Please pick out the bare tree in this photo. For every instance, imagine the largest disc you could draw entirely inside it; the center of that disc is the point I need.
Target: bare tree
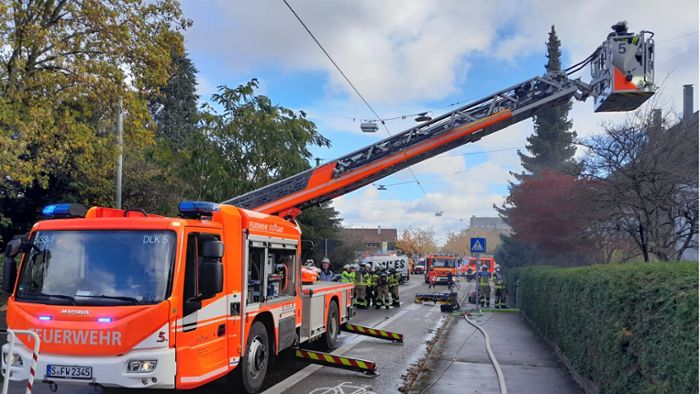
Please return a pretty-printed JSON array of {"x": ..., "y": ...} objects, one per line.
[{"x": 647, "y": 179}]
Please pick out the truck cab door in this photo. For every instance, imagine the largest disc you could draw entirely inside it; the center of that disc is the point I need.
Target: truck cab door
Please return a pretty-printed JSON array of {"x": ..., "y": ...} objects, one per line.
[{"x": 201, "y": 339}]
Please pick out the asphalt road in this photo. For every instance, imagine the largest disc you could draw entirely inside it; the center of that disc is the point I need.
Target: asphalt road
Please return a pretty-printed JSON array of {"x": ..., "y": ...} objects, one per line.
[{"x": 418, "y": 323}]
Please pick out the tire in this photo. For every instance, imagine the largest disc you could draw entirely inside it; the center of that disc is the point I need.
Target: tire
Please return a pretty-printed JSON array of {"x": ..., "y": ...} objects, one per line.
[
  {"x": 329, "y": 340},
  {"x": 253, "y": 367}
]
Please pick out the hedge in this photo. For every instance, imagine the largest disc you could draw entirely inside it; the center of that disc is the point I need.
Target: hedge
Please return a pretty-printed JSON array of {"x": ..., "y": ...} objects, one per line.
[{"x": 629, "y": 328}]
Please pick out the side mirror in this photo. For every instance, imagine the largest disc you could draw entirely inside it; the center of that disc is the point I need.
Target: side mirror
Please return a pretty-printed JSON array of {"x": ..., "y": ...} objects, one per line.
[
  {"x": 211, "y": 279},
  {"x": 213, "y": 250},
  {"x": 9, "y": 270},
  {"x": 9, "y": 275}
]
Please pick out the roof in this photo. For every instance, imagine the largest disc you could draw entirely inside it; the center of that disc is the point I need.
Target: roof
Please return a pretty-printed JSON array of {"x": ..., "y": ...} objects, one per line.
[
  {"x": 487, "y": 222},
  {"x": 371, "y": 235}
]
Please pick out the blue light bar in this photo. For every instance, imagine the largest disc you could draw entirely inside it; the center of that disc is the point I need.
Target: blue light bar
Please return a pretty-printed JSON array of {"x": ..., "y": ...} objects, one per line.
[
  {"x": 64, "y": 210},
  {"x": 197, "y": 208},
  {"x": 44, "y": 318},
  {"x": 104, "y": 319}
]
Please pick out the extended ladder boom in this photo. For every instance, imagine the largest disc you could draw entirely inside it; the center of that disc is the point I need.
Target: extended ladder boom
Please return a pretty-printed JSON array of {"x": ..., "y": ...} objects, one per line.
[{"x": 628, "y": 86}]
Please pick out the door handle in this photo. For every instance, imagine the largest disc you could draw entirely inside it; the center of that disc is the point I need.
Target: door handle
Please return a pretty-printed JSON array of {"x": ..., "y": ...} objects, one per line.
[{"x": 221, "y": 330}]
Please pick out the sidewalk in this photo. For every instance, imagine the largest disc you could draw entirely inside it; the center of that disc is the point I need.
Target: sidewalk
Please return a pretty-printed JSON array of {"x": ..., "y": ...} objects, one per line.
[{"x": 459, "y": 362}]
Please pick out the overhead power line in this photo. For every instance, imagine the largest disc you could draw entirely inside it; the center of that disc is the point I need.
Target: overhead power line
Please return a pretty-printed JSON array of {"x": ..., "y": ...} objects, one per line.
[{"x": 358, "y": 94}]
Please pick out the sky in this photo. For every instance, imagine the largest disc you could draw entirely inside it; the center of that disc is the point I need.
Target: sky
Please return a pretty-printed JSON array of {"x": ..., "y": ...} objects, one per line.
[{"x": 407, "y": 57}]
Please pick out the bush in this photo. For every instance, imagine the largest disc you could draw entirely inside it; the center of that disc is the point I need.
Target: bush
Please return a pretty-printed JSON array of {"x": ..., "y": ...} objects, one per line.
[{"x": 629, "y": 328}]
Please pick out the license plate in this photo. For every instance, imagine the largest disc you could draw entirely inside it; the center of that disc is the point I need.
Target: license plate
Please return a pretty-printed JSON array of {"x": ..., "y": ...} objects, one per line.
[{"x": 68, "y": 372}]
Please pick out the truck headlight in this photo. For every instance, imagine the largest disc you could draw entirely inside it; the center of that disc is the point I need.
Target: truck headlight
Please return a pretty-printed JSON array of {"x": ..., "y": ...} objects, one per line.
[{"x": 141, "y": 366}]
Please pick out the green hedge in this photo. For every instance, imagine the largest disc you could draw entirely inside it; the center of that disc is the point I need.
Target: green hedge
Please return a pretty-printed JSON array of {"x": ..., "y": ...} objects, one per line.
[{"x": 630, "y": 328}]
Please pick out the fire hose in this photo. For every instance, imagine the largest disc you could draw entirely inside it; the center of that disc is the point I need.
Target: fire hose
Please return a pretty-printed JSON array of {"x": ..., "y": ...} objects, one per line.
[{"x": 492, "y": 357}]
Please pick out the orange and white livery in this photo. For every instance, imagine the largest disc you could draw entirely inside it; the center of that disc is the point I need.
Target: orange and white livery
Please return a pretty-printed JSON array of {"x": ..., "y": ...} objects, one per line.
[{"x": 126, "y": 299}]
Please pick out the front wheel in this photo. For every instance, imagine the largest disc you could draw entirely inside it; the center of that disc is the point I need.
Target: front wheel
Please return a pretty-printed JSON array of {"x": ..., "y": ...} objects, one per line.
[
  {"x": 330, "y": 338},
  {"x": 253, "y": 367}
]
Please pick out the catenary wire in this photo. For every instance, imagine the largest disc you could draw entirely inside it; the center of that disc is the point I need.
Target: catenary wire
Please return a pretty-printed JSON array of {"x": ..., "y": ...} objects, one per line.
[{"x": 357, "y": 92}]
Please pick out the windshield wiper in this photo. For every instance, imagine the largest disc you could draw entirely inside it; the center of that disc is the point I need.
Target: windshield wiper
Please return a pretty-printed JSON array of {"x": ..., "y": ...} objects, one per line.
[
  {"x": 59, "y": 296},
  {"x": 120, "y": 298}
]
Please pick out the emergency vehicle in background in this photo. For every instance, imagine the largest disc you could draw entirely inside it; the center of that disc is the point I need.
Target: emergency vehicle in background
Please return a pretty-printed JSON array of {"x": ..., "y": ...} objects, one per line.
[
  {"x": 441, "y": 265},
  {"x": 130, "y": 299},
  {"x": 476, "y": 263},
  {"x": 388, "y": 262}
]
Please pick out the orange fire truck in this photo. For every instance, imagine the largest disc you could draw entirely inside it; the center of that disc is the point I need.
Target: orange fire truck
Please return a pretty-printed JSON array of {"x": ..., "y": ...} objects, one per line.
[
  {"x": 130, "y": 299},
  {"x": 441, "y": 265}
]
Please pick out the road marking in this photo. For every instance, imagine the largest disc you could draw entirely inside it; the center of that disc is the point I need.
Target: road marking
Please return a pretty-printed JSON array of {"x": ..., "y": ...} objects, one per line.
[
  {"x": 307, "y": 371},
  {"x": 413, "y": 307}
]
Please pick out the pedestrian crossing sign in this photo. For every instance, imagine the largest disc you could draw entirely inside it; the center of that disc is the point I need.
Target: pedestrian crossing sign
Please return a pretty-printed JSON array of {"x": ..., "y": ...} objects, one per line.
[{"x": 477, "y": 245}]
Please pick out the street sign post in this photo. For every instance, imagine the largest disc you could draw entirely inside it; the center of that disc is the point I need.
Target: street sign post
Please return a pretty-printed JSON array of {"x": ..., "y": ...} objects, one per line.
[{"x": 477, "y": 245}]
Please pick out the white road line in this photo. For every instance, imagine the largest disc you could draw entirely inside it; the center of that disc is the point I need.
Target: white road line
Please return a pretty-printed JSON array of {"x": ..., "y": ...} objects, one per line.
[
  {"x": 413, "y": 307},
  {"x": 304, "y": 373}
]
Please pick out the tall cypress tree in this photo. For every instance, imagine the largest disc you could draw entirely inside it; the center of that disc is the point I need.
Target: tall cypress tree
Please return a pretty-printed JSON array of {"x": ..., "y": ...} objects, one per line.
[
  {"x": 551, "y": 146},
  {"x": 174, "y": 107}
]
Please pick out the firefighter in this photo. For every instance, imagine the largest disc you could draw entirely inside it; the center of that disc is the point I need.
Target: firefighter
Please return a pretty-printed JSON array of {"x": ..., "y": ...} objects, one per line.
[
  {"x": 484, "y": 288},
  {"x": 361, "y": 279},
  {"x": 326, "y": 274},
  {"x": 382, "y": 288},
  {"x": 394, "y": 281},
  {"x": 432, "y": 278},
  {"x": 347, "y": 276},
  {"x": 374, "y": 279},
  {"x": 499, "y": 280}
]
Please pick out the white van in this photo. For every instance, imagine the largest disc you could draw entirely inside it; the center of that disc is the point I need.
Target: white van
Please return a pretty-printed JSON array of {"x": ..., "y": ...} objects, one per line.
[{"x": 399, "y": 263}]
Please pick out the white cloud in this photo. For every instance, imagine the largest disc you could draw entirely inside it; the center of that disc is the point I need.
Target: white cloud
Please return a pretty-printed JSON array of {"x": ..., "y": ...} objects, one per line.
[
  {"x": 404, "y": 54},
  {"x": 394, "y": 51}
]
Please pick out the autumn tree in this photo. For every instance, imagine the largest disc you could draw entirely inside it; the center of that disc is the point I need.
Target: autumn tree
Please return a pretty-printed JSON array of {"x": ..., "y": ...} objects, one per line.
[
  {"x": 417, "y": 242},
  {"x": 552, "y": 215},
  {"x": 63, "y": 66}
]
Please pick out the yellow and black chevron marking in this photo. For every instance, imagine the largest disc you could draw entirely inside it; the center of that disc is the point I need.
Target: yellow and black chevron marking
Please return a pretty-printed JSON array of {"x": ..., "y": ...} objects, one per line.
[
  {"x": 372, "y": 332},
  {"x": 330, "y": 360}
]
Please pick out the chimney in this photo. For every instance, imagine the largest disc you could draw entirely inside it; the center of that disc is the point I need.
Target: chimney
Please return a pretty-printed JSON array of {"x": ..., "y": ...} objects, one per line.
[
  {"x": 687, "y": 101},
  {"x": 379, "y": 229}
]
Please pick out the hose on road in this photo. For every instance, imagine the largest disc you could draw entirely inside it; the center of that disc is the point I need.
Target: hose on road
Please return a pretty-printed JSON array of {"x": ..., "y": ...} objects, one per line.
[{"x": 496, "y": 365}]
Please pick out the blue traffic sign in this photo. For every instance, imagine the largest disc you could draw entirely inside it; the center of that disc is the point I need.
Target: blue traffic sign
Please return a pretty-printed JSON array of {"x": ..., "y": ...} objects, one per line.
[{"x": 477, "y": 245}]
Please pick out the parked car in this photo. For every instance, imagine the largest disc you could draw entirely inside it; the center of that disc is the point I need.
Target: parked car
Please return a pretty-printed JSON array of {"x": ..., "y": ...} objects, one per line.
[{"x": 419, "y": 269}]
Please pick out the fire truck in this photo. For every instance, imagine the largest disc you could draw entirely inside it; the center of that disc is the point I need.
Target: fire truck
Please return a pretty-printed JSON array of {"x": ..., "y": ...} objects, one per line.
[
  {"x": 126, "y": 298},
  {"x": 441, "y": 265},
  {"x": 475, "y": 264}
]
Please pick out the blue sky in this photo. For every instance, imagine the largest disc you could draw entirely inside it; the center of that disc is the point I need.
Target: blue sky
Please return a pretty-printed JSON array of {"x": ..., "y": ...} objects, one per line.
[{"x": 414, "y": 56}]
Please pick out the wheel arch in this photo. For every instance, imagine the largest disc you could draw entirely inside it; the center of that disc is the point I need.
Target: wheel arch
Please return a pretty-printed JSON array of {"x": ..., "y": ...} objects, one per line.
[{"x": 268, "y": 321}]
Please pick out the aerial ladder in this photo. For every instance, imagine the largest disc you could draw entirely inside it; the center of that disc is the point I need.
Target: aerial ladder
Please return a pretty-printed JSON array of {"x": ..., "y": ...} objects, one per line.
[
  {"x": 260, "y": 265},
  {"x": 622, "y": 71}
]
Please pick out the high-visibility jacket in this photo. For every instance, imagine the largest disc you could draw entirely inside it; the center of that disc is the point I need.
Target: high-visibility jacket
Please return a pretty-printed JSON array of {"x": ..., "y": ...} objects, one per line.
[
  {"x": 499, "y": 281},
  {"x": 483, "y": 278},
  {"x": 347, "y": 277},
  {"x": 361, "y": 278},
  {"x": 393, "y": 281}
]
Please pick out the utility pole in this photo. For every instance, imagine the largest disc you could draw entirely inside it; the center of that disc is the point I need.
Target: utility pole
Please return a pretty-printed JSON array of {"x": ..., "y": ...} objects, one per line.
[{"x": 120, "y": 150}]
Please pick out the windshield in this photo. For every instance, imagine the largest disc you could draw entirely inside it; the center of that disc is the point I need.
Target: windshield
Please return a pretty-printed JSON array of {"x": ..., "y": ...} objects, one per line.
[
  {"x": 98, "y": 267},
  {"x": 443, "y": 263}
]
